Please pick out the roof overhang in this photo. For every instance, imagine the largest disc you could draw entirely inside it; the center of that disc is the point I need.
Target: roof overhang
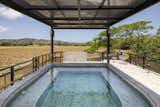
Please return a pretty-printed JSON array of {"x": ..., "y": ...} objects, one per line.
[{"x": 79, "y": 14}]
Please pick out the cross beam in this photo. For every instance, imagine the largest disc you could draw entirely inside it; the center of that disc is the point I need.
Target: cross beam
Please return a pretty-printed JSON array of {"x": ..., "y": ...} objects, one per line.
[
  {"x": 82, "y": 18},
  {"x": 83, "y": 23},
  {"x": 82, "y": 8}
]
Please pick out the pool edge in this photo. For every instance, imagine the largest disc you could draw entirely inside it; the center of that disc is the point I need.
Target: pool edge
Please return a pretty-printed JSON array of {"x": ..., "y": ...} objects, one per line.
[
  {"x": 151, "y": 96},
  {"x": 9, "y": 93}
]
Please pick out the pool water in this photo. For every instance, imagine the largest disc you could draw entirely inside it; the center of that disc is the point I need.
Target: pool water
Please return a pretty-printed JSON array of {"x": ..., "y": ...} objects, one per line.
[{"x": 78, "y": 89}]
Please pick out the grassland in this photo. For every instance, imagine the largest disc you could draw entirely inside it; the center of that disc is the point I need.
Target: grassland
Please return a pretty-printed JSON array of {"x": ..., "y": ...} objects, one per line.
[{"x": 14, "y": 54}]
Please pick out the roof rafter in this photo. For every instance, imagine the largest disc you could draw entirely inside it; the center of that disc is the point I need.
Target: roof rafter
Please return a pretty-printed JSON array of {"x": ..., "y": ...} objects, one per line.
[
  {"x": 75, "y": 8},
  {"x": 81, "y": 27},
  {"x": 82, "y": 18},
  {"x": 56, "y": 3},
  {"x": 79, "y": 9},
  {"x": 80, "y": 23},
  {"x": 101, "y": 5}
]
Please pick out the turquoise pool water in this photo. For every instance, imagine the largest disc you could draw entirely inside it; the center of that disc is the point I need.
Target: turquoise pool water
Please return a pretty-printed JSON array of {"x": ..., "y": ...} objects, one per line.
[{"x": 79, "y": 87}]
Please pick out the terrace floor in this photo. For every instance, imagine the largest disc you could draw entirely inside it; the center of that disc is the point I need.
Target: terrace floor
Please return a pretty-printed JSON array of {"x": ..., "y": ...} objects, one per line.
[{"x": 149, "y": 79}]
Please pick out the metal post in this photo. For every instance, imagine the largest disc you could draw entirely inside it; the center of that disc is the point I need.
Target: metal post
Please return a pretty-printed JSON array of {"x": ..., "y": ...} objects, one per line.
[
  {"x": 36, "y": 63},
  {"x": 33, "y": 64},
  {"x": 52, "y": 44},
  {"x": 130, "y": 58},
  {"x": 60, "y": 57},
  {"x": 102, "y": 56},
  {"x": 144, "y": 61},
  {"x": 117, "y": 56},
  {"x": 108, "y": 45},
  {"x": 42, "y": 59},
  {"x": 12, "y": 75}
]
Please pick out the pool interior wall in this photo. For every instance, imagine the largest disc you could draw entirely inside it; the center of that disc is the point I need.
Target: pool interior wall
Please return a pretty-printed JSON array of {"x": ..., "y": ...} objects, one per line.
[
  {"x": 79, "y": 89},
  {"x": 128, "y": 96}
]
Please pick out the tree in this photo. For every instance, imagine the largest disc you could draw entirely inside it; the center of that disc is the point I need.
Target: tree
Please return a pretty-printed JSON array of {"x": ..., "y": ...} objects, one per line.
[
  {"x": 140, "y": 30},
  {"x": 158, "y": 31},
  {"x": 153, "y": 47},
  {"x": 128, "y": 36}
]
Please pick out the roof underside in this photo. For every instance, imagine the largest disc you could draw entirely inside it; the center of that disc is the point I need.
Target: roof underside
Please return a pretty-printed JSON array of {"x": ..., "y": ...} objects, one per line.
[{"x": 81, "y": 14}]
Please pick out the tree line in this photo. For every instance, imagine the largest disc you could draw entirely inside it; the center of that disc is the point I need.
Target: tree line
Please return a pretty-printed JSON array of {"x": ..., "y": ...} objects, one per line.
[
  {"x": 40, "y": 42},
  {"x": 135, "y": 37}
]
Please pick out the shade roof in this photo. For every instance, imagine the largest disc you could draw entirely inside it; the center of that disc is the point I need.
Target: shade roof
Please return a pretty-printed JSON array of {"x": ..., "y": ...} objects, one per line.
[{"x": 81, "y": 14}]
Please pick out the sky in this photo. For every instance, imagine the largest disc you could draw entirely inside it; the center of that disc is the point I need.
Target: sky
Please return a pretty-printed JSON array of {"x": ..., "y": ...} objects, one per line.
[{"x": 15, "y": 25}]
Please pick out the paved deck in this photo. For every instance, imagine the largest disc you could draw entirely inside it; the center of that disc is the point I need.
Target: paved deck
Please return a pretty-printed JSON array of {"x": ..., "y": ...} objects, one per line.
[{"x": 149, "y": 79}]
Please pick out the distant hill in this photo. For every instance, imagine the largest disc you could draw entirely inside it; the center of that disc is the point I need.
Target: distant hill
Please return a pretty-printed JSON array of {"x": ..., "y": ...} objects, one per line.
[{"x": 31, "y": 41}]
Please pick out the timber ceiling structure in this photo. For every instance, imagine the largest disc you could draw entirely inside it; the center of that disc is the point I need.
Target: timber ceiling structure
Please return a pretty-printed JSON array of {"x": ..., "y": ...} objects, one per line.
[{"x": 79, "y": 14}]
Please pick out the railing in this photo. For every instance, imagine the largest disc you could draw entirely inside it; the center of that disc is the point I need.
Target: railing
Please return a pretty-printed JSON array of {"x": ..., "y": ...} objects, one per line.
[
  {"x": 145, "y": 62},
  {"x": 9, "y": 75},
  {"x": 58, "y": 56}
]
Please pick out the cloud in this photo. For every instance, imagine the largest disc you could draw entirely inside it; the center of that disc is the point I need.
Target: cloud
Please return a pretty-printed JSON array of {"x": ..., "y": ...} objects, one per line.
[
  {"x": 3, "y": 29},
  {"x": 9, "y": 13}
]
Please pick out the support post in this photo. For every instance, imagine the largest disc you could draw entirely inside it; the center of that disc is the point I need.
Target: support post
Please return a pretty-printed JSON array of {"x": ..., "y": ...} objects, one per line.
[
  {"x": 108, "y": 45},
  {"x": 52, "y": 44}
]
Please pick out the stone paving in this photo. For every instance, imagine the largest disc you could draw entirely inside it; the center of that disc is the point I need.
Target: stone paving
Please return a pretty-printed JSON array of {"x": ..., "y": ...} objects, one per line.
[{"x": 148, "y": 78}]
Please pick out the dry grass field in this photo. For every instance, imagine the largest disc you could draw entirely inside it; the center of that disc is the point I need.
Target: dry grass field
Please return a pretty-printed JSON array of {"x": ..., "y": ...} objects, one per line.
[{"x": 14, "y": 54}]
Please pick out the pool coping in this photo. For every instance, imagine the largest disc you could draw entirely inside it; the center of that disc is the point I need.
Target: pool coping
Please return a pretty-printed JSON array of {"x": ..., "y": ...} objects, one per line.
[
  {"x": 149, "y": 94},
  {"x": 9, "y": 93},
  {"x": 71, "y": 64}
]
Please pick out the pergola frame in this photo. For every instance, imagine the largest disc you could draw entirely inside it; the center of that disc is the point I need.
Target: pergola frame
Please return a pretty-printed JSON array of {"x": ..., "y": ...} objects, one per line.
[
  {"x": 79, "y": 20},
  {"x": 101, "y": 16}
]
